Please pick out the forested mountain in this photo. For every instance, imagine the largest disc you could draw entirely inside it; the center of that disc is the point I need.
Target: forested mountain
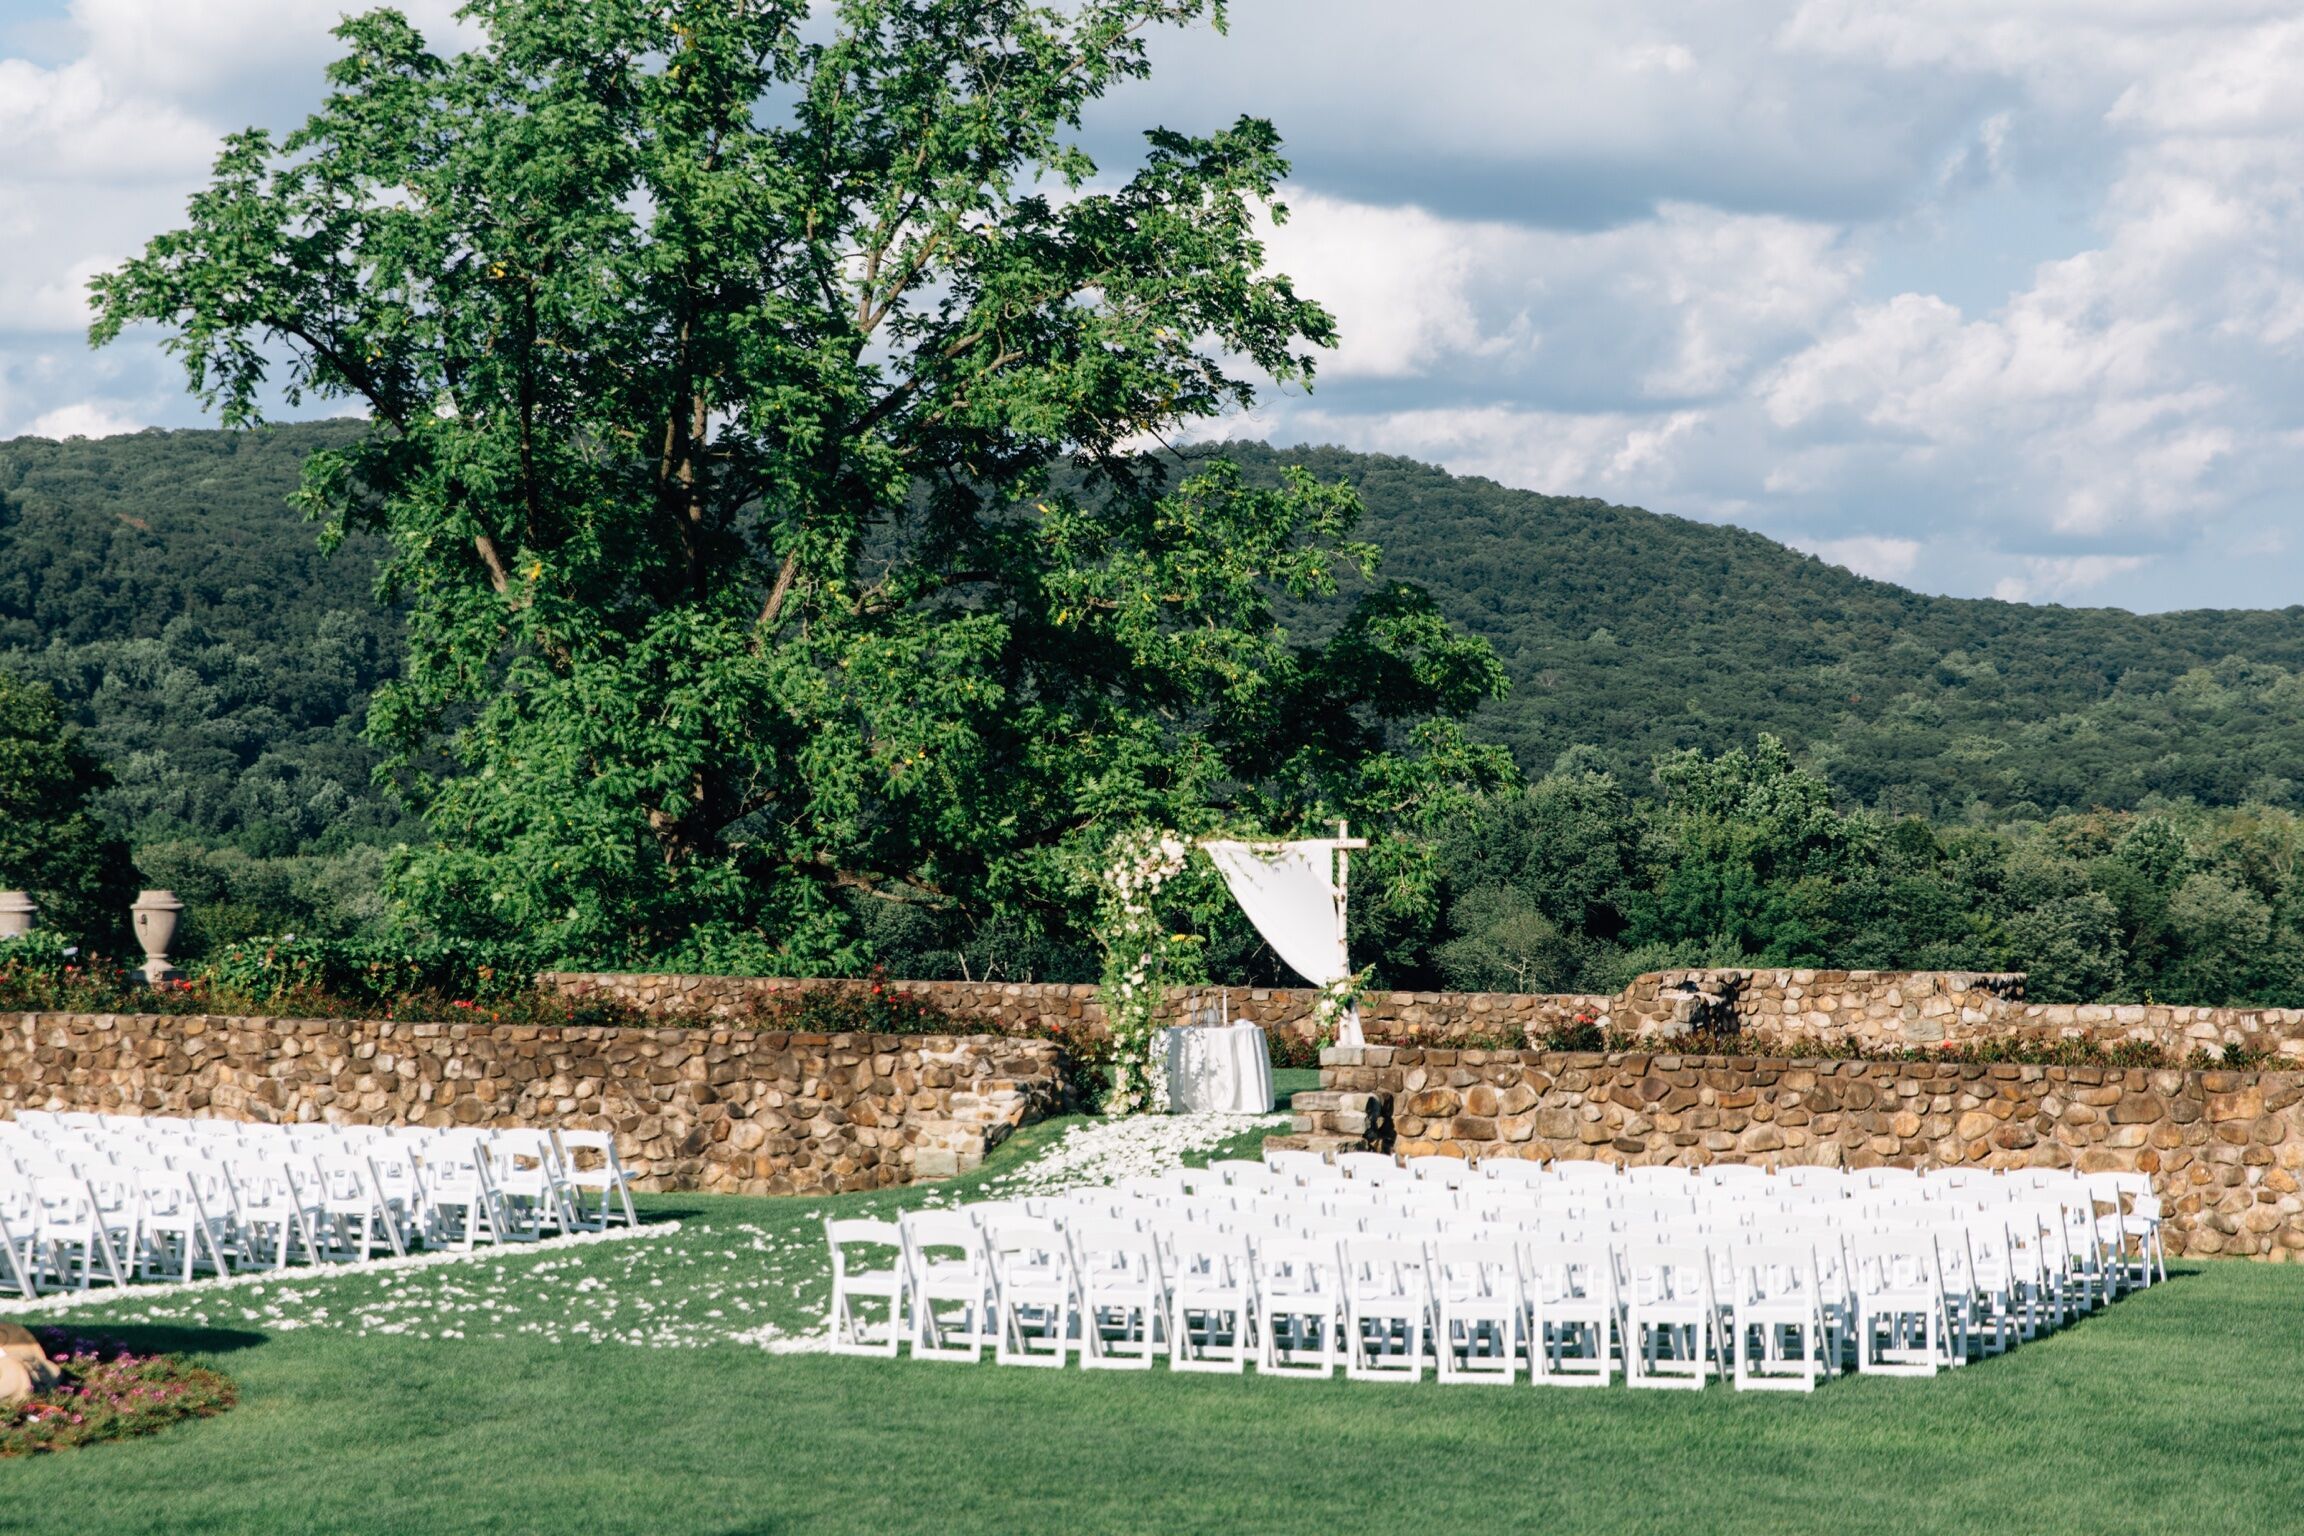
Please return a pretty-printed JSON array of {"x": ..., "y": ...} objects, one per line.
[
  {"x": 162, "y": 586},
  {"x": 1637, "y": 634}
]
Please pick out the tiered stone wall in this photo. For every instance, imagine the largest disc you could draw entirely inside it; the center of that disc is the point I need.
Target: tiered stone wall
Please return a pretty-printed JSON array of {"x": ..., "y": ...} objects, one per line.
[
  {"x": 2225, "y": 1149},
  {"x": 1861, "y": 1009},
  {"x": 1793, "y": 1011},
  {"x": 1011, "y": 1007},
  {"x": 724, "y": 1109}
]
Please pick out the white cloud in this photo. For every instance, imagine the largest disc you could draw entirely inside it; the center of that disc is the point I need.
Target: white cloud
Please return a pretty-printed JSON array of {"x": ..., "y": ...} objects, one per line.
[
  {"x": 88, "y": 418},
  {"x": 1983, "y": 294},
  {"x": 1887, "y": 559},
  {"x": 2049, "y": 578}
]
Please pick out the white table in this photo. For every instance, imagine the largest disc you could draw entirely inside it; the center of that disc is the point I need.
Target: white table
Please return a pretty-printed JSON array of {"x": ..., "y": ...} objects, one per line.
[{"x": 1222, "y": 1069}]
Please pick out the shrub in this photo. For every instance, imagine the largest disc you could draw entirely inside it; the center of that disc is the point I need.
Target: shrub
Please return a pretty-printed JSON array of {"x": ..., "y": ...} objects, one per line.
[
  {"x": 39, "y": 975},
  {"x": 107, "y": 1391},
  {"x": 366, "y": 970},
  {"x": 869, "y": 1008}
]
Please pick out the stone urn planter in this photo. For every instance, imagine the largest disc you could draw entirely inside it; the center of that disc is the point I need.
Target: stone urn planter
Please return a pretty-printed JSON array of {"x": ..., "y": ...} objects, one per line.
[
  {"x": 17, "y": 909},
  {"x": 156, "y": 914}
]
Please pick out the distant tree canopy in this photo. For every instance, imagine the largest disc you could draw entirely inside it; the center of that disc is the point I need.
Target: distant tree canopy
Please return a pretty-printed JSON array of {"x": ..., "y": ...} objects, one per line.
[
  {"x": 717, "y": 363},
  {"x": 1571, "y": 884},
  {"x": 52, "y": 843},
  {"x": 220, "y": 664}
]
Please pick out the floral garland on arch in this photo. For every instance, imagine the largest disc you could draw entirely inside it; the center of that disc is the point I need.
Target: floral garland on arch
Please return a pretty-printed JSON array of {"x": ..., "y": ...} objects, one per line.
[
  {"x": 1140, "y": 958},
  {"x": 1337, "y": 1000}
]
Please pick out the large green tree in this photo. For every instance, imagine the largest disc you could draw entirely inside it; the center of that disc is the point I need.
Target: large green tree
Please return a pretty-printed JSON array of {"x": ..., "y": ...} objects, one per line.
[
  {"x": 52, "y": 843},
  {"x": 718, "y": 353}
]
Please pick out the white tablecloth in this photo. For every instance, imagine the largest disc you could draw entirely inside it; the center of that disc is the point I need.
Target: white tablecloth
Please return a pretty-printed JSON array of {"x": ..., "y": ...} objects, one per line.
[{"x": 1225, "y": 1070}]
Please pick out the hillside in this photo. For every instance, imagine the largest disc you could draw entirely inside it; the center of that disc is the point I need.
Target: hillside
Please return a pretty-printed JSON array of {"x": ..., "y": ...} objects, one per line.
[
  {"x": 162, "y": 585},
  {"x": 1637, "y": 633}
]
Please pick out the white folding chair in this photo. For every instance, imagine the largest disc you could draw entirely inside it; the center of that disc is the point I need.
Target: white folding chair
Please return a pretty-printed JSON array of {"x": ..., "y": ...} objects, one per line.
[
  {"x": 1480, "y": 1305},
  {"x": 1370, "y": 1167},
  {"x": 1123, "y": 1294},
  {"x": 1302, "y": 1167},
  {"x": 1449, "y": 1172},
  {"x": 1571, "y": 1331},
  {"x": 1387, "y": 1308},
  {"x": 1782, "y": 1334},
  {"x": 1035, "y": 1291},
  {"x": 850, "y": 1325},
  {"x": 1300, "y": 1306},
  {"x": 950, "y": 1287},
  {"x": 589, "y": 1164},
  {"x": 1212, "y": 1298},
  {"x": 1902, "y": 1328},
  {"x": 1672, "y": 1324}
]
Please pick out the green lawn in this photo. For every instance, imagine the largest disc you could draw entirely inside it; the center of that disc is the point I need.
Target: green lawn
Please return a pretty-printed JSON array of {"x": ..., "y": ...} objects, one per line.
[{"x": 2179, "y": 1408}]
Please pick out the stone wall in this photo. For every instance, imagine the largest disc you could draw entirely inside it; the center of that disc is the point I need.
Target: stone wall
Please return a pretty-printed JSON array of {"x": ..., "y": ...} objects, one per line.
[
  {"x": 1861, "y": 1009},
  {"x": 1784, "y": 1012},
  {"x": 2225, "y": 1149},
  {"x": 1011, "y": 1007},
  {"x": 725, "y": 1109},
  {"x": 1882, "y": 1012}
]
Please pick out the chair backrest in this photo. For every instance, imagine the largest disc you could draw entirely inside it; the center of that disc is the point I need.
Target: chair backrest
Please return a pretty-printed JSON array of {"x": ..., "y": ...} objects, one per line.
[
  {"x": 1018, "y": 1245},
  {"x": 860, "y": 1232},
  {"x": 1476, "y": 1266},
  {"x": 1385, "y": 1266},
  {"x": 1109, "y": 1249},
  {"x": 1583, "y": 1171},
  {"x": 1448, "y": 1171},
  {"x": 1241, "y": 1173},
  {"x": 1510, "y": 1170},
  {"x": 1651, "y": 1270},
  {"x": 1198, "y": 1254},
  {"x": 943, "y": 1236},
  {"x": 1806, "y": 1175},
  {"x": 1303, "y": 1167},
  {"x": 1890, "y": 1260},
  {"x": 1777, "y": 1270},
  {"x": 1369, "y": 1167},
  {"x": 1560, "y": 1263}
]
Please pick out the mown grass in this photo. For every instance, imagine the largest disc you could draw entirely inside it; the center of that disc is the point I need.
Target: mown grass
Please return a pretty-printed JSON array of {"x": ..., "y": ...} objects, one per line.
[{"x": 2181, "y": 1408}]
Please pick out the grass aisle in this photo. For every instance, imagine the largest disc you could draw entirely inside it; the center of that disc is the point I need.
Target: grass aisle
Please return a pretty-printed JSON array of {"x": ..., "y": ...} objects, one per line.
[{"x": 2179, "y": 1409}]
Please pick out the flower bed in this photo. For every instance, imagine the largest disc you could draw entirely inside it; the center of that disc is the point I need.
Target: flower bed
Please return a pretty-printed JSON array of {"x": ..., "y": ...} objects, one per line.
[{"x": 107, "y": 1391}]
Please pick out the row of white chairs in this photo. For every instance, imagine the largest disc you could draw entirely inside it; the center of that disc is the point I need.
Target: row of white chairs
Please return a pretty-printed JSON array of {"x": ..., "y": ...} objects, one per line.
[
  {"x": 1567, "y": 1273},
  {"x": 97, "y": 1199}
]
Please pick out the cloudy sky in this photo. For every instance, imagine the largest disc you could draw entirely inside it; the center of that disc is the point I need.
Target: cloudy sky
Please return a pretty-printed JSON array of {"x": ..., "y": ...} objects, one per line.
[{"x": 1983, "y": 296}]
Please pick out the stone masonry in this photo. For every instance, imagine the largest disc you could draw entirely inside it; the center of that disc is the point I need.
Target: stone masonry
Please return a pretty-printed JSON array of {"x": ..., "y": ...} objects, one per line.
[
  {"x": 1783, "y": 1012},
  {"x": 722, "y": 1109},
  {"x": 1012, "y": 1007},
  {"x": 2225, "y": 1149}
]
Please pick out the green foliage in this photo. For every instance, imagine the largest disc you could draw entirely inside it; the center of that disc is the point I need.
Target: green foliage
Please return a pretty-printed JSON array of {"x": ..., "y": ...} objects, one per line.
[
  {"x": 1640, "y": 635},
  {"x": 107, "y": 1391},
  {"x": 230, "y": 896},
  {"x": 1742, "y": 859},
  {"x": 52, "y": 843},
  {"x": 266, "y": 970},
  {"x": 219, "y": 665},
  {"x": 717, "y": 363}
]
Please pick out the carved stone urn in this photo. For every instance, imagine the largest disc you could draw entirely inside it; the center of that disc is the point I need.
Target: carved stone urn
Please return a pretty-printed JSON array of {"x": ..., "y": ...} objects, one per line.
[
  {"x": 17, "y": 909},
  {"x": 156, "y": 913}
]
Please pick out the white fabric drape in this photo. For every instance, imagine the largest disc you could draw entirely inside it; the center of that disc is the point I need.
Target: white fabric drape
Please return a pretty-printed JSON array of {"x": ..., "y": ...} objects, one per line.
[{"x": 1288, "y": 891}]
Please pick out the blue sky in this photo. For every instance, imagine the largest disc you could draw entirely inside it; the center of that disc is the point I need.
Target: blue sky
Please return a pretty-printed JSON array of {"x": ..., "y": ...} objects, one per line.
[{"x": 1984, "y": 296}]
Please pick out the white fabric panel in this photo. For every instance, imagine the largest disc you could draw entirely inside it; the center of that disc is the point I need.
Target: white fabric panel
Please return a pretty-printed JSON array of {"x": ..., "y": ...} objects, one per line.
[
  {"x": 1224, "y": 1070},
  {"x": 1288, "y": 891}
]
